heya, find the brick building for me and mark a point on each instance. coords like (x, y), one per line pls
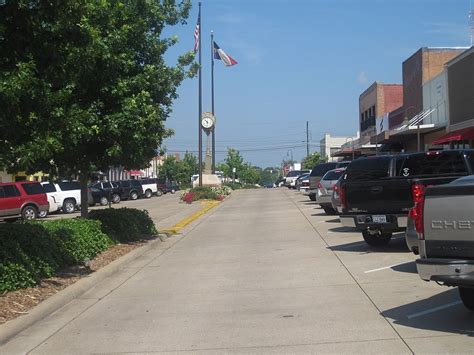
(376, 101)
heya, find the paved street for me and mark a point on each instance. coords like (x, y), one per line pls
(266, 271)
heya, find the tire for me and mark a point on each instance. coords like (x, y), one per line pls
(104, 201)
(377, 240)
(148, 193)
(116, 198)
(29, 213)
(69, 206)
(133, 195)
(159, 192)
(467, 297)
(43, 214)
(329, 211)
(312, 197)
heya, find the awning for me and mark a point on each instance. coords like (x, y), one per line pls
(464, 134)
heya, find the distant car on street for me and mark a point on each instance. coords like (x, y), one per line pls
(325, 190)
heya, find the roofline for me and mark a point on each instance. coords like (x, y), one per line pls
(434, 49)
(461, 56)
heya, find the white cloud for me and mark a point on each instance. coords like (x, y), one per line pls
(362, 77)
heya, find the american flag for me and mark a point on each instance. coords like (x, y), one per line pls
(196, 36)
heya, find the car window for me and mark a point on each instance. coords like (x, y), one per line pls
(69, 185)
(33, 189)
(114, 184)
(432, 163)
(106, 185)
(343, 164)
(470, 159)
(49, 187)
(135, 183)
(321, 169)
(333, 175)
(293, 173)
(368, 169)
(9, 191)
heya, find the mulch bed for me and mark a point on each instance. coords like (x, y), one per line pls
(16, 303)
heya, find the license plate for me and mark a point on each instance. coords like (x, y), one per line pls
(379, 219)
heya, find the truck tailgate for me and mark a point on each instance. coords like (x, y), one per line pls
(379, 196)
(449, 221)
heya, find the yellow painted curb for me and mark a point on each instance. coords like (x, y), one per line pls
(208, 205)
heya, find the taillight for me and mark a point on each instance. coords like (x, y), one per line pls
(342, 196)
(416, 213)
(320, 186)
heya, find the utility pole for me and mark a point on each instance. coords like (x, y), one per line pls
(307, 139)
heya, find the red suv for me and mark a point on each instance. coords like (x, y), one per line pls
(22, 199)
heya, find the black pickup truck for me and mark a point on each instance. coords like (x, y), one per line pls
(378, 192)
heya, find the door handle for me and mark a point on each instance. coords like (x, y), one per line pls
(376, 189)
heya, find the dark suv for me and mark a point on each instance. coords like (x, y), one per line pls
(22, 199)
(130, 189)
(112, 188)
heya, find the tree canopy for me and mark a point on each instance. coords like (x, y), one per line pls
(312, 160)
(84, 84)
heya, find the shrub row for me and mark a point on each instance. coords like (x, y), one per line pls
(125, 224)
(204, 193)
(30, 251)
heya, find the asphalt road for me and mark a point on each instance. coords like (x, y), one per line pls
(264, 272)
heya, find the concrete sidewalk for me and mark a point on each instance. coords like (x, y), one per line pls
(253, 276)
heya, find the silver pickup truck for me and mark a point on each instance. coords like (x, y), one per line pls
(445, 226)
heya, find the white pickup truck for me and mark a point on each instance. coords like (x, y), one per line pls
(444, 222)
(150, 187)
(66, 195)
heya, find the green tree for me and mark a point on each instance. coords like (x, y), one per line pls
(170, 169)
(250, 174)
(84, 84)
(312, 160)
(269, 176)
(233, 160)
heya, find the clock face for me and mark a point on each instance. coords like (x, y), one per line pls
(207, 122)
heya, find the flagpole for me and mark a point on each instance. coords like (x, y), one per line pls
(212, 105)
(200, 99)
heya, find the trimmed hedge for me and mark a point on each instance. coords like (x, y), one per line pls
(30, 251)
(125, 224)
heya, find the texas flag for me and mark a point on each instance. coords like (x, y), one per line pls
(221, 55)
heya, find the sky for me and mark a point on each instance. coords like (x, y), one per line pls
(299, 61)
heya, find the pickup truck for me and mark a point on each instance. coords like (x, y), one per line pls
(377, 193)
(444, 221)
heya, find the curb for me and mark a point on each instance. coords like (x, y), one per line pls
(63, 297)
(184, 222)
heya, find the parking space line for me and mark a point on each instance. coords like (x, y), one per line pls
(387, 267)
(435, 309)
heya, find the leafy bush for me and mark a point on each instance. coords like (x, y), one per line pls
(233, 185)
(35, 250)
(125, 224)
(205, 193)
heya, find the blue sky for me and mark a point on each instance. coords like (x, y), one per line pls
(301, 60)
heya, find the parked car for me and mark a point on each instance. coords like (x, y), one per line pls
(318, 172)
(378, 192)
(149, 187)
(22, 199)
(335, 198)
(292, 176)
(115, 192)
(130, 189)
(443, 218)
(97, 195)
(325, 189)
(302, 183)
(67, 194)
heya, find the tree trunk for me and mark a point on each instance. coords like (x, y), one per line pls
(83, 179)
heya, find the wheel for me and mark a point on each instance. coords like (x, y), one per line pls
(148, 193)
(159, 192)
(378, 239)
(42, 214)
(467, 297)
(103, 201)
(312, 197)
(133, 195)
(29, 213)
(116, 198)
(329, 211)
(69, 206)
